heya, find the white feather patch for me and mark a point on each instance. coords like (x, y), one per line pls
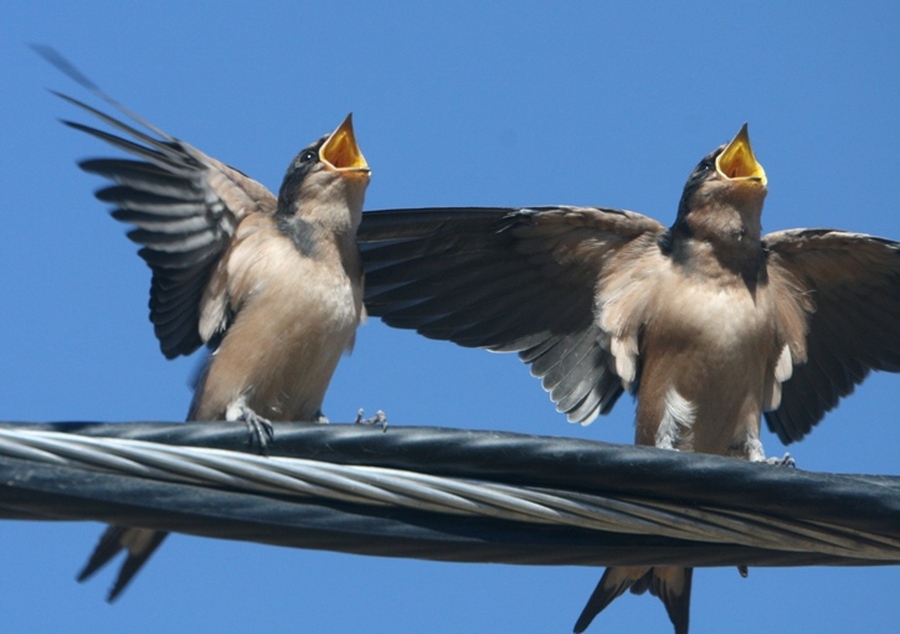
(675, 426)
(624, 351)
(784, 369)
(785, 366)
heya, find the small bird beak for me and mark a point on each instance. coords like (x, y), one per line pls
(736, 162)
(341, 153)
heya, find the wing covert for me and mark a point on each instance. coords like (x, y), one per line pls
(184, 207)
(854, 282)
(509, 280)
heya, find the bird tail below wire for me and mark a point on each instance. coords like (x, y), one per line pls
(140, 544)
(671, 585)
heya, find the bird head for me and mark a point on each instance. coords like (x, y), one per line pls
(724, 194)
(326, 177)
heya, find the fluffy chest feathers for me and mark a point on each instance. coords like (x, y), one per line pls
(292, 313)
(706, 350)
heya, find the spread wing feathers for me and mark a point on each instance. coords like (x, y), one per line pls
(509, 280)
(184, 206)
(854, 283)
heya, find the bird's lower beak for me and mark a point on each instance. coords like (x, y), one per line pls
(341, 153)
(737, 161)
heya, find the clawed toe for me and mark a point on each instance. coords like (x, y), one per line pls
(785, 461)
(260, 430)
(380, 418)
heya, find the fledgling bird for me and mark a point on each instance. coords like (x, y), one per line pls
(708, 323)
(273, 285)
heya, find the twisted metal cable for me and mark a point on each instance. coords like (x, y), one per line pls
(379, 486)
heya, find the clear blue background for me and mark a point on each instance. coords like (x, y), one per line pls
(520, 103)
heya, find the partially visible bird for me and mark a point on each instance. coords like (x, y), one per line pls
(708, 323)
(272, 285)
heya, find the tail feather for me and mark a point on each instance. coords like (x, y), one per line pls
(108, 547)
(140, 544)
(671, 585)
(612, 584)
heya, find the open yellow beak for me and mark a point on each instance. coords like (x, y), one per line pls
(341, 152)
(736, 162)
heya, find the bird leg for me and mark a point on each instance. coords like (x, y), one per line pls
(260, 429)
(380, 418)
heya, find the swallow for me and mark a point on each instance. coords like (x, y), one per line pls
(709, 324)
(272, 285)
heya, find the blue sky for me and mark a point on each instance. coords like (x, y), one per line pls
(454, 104)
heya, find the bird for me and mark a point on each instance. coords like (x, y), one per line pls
(710, 324)
(272, 285)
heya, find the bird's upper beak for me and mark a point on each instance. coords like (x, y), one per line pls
(341, 153)
(736, 162)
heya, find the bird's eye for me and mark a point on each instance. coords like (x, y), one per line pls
(307, 156)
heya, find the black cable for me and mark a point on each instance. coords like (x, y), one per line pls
(827, 504)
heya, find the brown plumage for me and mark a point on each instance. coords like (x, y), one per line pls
(710, 324)
(272, 285)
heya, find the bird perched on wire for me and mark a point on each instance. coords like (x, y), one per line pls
(708, 323)
(273, 285)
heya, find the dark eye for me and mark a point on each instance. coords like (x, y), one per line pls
(307, 156)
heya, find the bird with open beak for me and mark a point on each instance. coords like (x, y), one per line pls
(708, 323)
(272, 285)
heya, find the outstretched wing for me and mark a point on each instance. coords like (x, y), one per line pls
(184, 206)
(854, 282)
(509, 280)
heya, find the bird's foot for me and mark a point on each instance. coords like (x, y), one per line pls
(742, 570)
(785, 461)
(380, 418)
(321, 418)
(260, 430)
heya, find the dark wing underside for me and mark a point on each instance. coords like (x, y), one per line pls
(854, 281)
(509, 280)
(184, 206)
